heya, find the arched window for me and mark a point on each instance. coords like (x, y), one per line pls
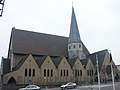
(88, 73)
(75, 72)
(33, 72)
(67, 73)
(81, 72)
(78, 72)
(51, 73)
(44, 72)
(61, 72)
(92, 72)
(48, 72)
(29, 72)
(26, 72)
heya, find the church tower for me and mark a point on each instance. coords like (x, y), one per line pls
(75, 45)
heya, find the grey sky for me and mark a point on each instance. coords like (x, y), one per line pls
(98, 21)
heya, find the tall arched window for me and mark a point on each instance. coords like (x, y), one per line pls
(88, 73)
(26, 72)
(61, 72)
(81, 72)
(33, 72)
(75, 72)
(29, 72)
(67, 73)
(78, 73)
(51, 73)
(92, 72)
(44, 72)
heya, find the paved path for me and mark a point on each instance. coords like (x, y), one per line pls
(93, 87)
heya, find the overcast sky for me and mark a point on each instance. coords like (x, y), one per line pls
(98, 21)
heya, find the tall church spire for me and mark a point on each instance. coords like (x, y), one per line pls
(74, 35)
(75, 46)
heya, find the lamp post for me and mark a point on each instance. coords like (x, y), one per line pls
(45, 83)
(85, 77)
(98, 71)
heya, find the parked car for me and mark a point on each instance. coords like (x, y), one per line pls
(69, 85)
(30, 87)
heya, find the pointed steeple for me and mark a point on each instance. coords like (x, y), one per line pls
(75, 45)
(74, 35)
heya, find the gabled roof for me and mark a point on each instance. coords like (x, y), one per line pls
(84, 62)
(71, 61)
(38, 43)
(20, 63)
(40, 59)
(100, 56)
(25, 42)
(56, 60)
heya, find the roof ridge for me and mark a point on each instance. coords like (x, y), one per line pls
(99, 51)
(14, 29)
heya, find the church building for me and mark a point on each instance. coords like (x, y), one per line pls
(40, 58)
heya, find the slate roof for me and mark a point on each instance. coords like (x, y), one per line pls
(74, 35)
(41, 45)
(20, 63)
(39, 59)
(71, 61)
(25, 42)
(100, 55)
(56, 60)
(84, 62)
(38, 43)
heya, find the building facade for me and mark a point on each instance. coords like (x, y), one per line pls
(38, 58)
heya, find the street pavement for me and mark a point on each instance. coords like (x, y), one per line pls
(92, 87)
